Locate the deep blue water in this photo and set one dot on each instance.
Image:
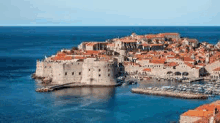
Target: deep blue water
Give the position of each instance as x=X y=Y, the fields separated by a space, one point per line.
x=20 y=47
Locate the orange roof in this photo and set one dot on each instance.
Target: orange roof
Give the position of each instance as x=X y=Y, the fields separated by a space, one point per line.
x=62 y=58
x=188 y=59
x=172 y=64
x=78 y=57
x=208 y=107
x=189 y=64
x=147 y=69
x=91 y=43
x=158 y=61
x=152 y=45
x=197 y=113
x=216 y=69
x=205 y=112
x=164 y=34
x=154 y=36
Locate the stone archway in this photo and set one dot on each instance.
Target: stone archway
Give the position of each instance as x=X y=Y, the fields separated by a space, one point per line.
x=185 y=73
x=169 y=73
x=177 y=73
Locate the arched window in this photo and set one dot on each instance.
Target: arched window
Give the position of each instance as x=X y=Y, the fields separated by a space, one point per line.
x=177 y=73
x=185 y=73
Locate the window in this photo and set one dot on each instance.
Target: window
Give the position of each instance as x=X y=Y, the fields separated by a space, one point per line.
x=99 y=75
x=99 y=70
x=65 y=73
x=79 y=73
x=108 y=69
x=45 y=66
x=72 y=73
x=89 y=69
x=108 y=74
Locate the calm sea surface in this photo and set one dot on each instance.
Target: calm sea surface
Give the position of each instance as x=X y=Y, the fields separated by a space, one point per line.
x=20 y=47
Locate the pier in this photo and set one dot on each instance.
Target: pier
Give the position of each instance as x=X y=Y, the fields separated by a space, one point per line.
x=193 y=80
x=183 y=95
x=70 y=85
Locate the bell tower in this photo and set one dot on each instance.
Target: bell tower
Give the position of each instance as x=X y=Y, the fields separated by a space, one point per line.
x=207 y=57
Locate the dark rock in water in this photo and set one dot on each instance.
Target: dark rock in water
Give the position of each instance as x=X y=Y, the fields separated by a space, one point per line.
x=33 y=76
x=47 y=80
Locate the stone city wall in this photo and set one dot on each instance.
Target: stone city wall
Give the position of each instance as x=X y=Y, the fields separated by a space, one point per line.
x=90 y=71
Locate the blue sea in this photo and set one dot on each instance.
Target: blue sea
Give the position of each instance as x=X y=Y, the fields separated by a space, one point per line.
x=20 y=47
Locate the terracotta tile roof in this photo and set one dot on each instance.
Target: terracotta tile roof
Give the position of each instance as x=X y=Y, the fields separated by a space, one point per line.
x=151 y=45
x=197 y=113
x=164 y=34
x=208 y=107
x=216 y=69
x=171 y=64
x=201 y=64
x=189 y=64
x=91 y=43
x=62 y=56
x=188 y=59
x=158 y=61
x=147 y=69
x=205 y=112
x=154 y=36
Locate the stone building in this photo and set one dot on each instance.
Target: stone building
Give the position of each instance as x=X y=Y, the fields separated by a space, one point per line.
x=154 y=47
x=208 y=113
x=90 y=71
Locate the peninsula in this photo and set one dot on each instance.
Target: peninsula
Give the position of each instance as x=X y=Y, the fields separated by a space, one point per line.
x=163 y=55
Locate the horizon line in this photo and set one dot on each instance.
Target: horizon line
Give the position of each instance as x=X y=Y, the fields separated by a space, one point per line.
x=108 y=26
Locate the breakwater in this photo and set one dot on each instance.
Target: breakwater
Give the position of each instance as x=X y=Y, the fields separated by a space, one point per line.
x=183 y=95
x=71 y=85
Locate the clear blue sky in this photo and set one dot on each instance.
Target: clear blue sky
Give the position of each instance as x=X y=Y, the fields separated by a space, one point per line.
x=110 y=12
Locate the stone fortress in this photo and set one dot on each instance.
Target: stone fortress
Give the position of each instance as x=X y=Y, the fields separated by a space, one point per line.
x=163 y=55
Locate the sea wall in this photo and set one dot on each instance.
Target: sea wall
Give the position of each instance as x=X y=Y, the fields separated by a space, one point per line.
x=90 y=71
x=72 y=72
x=39 y=68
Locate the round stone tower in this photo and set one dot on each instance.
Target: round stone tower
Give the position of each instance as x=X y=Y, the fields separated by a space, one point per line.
x=98 y=72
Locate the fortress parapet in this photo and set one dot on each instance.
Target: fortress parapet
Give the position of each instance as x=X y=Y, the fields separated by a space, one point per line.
x=90 y=71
